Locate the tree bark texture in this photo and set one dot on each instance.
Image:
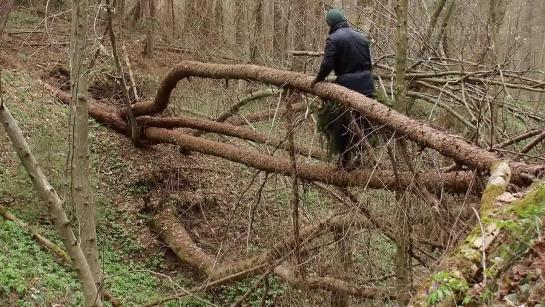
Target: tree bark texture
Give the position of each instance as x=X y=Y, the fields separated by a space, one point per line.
x=447 y=144
x=402 y=259
x=434 y=181
x=79 y=136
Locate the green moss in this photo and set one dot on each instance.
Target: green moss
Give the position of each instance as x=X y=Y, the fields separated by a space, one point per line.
x=531 y=206
x=489 y=195
x=446 y=286
x=519 y=223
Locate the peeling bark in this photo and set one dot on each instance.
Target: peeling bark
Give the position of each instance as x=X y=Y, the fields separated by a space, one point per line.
x=447 y=144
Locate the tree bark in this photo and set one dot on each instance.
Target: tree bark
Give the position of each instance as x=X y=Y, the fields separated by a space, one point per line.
x=447 y=144
x=402 y=258
x=79 y=137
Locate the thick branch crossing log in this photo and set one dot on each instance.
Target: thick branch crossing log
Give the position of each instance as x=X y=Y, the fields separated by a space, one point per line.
x=447 y=144
x=434 y=181
x=226 y=129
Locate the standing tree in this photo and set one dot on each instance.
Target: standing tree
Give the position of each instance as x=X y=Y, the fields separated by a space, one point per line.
x=402 y=257
x=79 y=137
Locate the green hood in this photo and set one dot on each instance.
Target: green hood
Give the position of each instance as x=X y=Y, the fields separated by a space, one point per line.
x=334 y=16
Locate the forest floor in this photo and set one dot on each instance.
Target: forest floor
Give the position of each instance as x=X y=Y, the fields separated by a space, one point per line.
x=127 y=181
x=138 y=265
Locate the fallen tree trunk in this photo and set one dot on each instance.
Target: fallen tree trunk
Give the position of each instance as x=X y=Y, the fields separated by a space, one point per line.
x=226 y=129
x=447 y=144
x=264 y=115
x=333 y=285
x=506 y=226
x=434 y=181
x=166 y=224
x=455 y=182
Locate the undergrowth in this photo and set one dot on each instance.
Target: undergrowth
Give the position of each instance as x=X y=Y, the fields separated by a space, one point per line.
x=30 y=275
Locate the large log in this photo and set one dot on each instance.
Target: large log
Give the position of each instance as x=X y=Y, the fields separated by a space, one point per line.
x=434 y=181
x=166 y=224
x=445 y=143
x=455 y=182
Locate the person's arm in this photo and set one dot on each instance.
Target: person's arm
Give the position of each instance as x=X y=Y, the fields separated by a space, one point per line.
x=327 y=62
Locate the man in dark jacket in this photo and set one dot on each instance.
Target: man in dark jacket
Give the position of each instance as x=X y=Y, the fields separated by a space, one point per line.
x=347 y=54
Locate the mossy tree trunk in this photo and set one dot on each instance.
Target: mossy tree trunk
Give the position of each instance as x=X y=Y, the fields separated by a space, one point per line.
x=506 y=225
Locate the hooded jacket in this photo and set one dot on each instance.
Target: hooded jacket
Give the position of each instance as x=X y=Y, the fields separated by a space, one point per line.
x=347 y=54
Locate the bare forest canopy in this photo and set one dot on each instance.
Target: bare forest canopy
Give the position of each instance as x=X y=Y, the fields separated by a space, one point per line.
x=451 y=177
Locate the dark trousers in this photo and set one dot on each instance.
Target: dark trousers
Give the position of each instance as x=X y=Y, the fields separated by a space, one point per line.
x=351 y=127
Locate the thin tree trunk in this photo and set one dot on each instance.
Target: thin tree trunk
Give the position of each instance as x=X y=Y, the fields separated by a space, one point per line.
x=54 y=204
x=256 y=44
x=149 y=25
x=402 y=257
x=401 y=57
x=291 y=125
x=340 y=235
x=128 y=107
x=431 y=27
x=299 y=30
x=79 y=136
